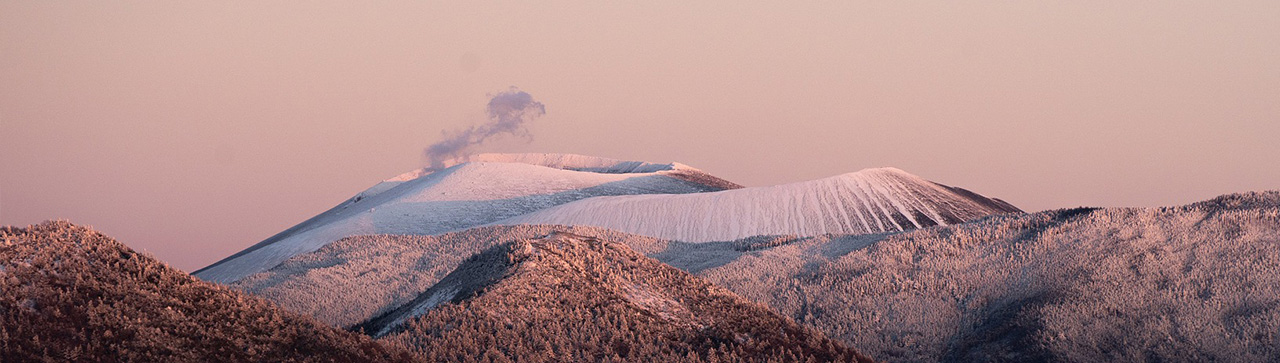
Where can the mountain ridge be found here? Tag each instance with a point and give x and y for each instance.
(574, 189)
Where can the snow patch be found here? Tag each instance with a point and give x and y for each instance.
(441, 296)
(656, 303)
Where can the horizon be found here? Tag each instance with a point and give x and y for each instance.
(192, 131)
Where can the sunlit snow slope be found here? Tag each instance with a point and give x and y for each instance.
(483, 189)
(868, 201)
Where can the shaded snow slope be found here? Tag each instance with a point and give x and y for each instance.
(868, 201)
(462, 196)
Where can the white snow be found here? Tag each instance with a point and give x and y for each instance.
(868, 201)
(469, 194)
(441, 295)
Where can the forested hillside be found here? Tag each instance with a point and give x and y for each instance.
(569, 298)
(1181, 284)
(358, 278)
(68, 293)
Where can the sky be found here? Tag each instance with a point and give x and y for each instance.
(192, 130)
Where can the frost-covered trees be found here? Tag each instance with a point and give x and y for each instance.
(1193, 283)
(68, 293)
(573, 299)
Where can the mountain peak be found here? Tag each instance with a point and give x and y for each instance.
(573, 162)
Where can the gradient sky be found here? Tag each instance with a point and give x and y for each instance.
(192, 130)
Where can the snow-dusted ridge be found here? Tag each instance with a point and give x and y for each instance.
(467, 193)
(551, 160)
(867, 201)
(575, 162)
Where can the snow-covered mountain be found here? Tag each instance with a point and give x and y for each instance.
(1187, 283)
(867, 201)
(466, 193)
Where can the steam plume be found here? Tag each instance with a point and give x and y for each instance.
(508, 112)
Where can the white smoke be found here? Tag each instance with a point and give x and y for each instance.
(508, 112)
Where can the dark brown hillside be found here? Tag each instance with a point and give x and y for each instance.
(68, 293)
(570, 298)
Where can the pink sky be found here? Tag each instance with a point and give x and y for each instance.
(192, 130)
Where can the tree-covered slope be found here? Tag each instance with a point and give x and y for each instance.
(1192, 283)
(68, 293)
(569, 298)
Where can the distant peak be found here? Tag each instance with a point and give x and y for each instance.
(562, 161)
(875, 175)
(882, 171)
(573, 162)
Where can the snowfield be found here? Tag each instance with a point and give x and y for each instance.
(868, 201)
(484, 189)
